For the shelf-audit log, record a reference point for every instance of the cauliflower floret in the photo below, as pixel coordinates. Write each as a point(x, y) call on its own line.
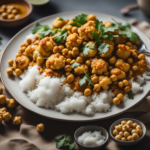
point(29, 50)
point(98, 66)
point(111, 48)
point(85, 31)
point(104, 82)
point(73, 40)
point(21, 62)
point(58, 23)
point(122, 65)
point(45, 47)
point(55, 61)
point(134, 53)
point(123, 51)
point(142, 63)
point(92, 52)
point(120, 74)
point(80, 69)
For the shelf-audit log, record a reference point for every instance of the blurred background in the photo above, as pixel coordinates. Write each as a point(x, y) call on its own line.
point(112, 7)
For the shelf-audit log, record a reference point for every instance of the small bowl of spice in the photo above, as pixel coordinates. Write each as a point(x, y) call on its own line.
point(14, 13)
point(91, 137)
point(127, 131)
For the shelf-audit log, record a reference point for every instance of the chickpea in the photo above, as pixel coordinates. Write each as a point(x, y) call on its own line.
point(94, 78)
point(110, 68)
point(125, 83)
point(11, 103)
point(130, 60)
point(127, 89)
point(18, 72)
point(4, 15)
point(135, 136)
point(91, 17)
point(69, 27)
point(10, 62)
point(9, 71)
point(17, 120)
point(113, 78)
point(40, 61)
point(67, 74)
point(7, 116)
point(79, 59)
point(68, 68)
point(1, 90)
point(14, 11)
point(65, 51)
point(73, 61)
point(126, 134)
point(120, 84)
point(3, 7)
point(141, 56)
point(74, 30)
point(68, 60)
point(134, 131)
point(106, 73)
point(2, 99)
point(87, 92)
point(123, 139)
point(88, 63)
point(116, 101)
point(124, 129)
point(138, 127)
point(17, 16)
point(121, 133)
point(130, 123)
point(135, 68)
point(130, 72)
point(126, 126)
point(115, 132)
point(11, 16)
point(130, 138)
point(112, 60)
point(70, 78)
point(118, 127)
point(3, 109)
point(134, 125)
point(123, 122)
point(75, 51)
point(140, 132)
point(120, 96)
point(118, 137)
point(40, 127)
point(97, 87)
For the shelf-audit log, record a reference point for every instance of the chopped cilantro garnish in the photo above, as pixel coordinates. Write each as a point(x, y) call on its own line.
point(79, 20)
point(130, 95)
point(124, 31)
point(84, 79)
point(61, 19)
point(61, 36)
point(75, 65)
point(85, 48)
point(103, 48)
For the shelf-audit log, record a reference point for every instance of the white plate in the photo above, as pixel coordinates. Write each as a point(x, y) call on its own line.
point(13, 87)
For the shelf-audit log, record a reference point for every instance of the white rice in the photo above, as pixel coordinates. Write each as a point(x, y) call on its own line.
point(91, 139)
point(49, 92)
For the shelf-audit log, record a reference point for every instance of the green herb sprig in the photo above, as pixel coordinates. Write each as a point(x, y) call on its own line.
point(84, 79)
point(61, 19)
point(79, 20)
point(130, 95)
point(124, 30)
point(75, 65)
point(61, 36)
point(65, 142)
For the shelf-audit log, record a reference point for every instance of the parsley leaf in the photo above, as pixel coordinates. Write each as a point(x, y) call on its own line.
point(85, 48)
point(103, 48)
point(66, 142)
point(130, 95)
point(98, 25)
point(75, 65)
point(61, 36)
point(60, 19)
point(111, 28)
point(84, 79)
point(37, 27)
point(124, 31)
point(79, 20)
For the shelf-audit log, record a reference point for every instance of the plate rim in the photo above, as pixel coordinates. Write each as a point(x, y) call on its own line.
point(60, 119)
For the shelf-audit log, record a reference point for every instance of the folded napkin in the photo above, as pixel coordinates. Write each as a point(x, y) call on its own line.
point(25, 136)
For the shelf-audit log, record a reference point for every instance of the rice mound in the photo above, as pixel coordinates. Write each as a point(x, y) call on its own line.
point(49, 92)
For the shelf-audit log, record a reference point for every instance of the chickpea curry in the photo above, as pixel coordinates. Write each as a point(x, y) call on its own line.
point(94, 56)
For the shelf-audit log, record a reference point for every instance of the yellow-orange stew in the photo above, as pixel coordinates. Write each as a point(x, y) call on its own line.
point(94, 56)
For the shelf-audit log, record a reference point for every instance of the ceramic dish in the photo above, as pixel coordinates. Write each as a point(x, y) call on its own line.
point(128, 143)
point(12, 84)
point(19, 21)
point(91, 128)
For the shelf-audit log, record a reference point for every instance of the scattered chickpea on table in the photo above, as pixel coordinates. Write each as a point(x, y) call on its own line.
point(127, 131)
point(40, 127)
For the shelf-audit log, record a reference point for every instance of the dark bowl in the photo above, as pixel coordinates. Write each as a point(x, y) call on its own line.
point(91, 128)
point(19, 21)
point(127, 143)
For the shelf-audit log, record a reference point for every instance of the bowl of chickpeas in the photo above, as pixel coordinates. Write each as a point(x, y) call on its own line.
point(14, 13)
point(127, 131)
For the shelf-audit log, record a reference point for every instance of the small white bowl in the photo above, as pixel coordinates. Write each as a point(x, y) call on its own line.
point(127, 143)
point(38, 2)
point(91, 128)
